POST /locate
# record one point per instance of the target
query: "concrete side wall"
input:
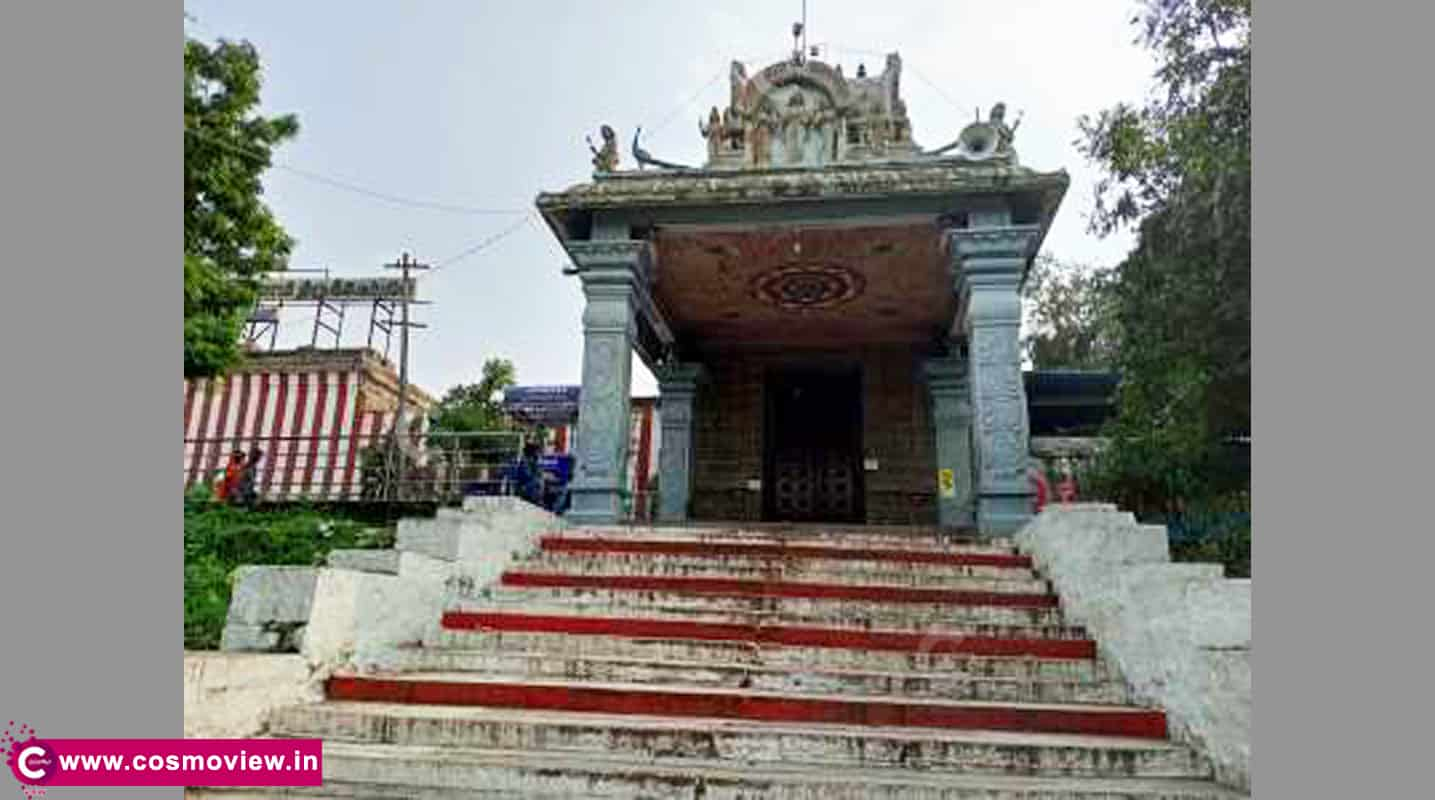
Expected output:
(268, 608)
(358, 618)
(1180, 634)
(227, 695)
(897, 432)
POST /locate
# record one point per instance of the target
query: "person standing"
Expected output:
(247, 489)
(230, 480)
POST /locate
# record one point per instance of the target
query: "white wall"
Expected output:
(1180, 634)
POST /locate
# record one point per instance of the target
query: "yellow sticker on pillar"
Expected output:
(947, 482)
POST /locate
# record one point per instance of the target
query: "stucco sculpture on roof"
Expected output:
(806, 113)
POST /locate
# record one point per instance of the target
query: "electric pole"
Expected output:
(405, 265)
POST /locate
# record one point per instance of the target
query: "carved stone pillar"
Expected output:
(993, 258)
(677, 385)
(610, 271)
(952, 423)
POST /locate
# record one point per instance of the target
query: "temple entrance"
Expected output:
(812, 454)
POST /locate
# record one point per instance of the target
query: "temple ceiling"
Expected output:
(804, 285)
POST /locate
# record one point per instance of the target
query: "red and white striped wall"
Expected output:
(311, 425)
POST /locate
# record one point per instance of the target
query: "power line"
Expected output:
(484, 244)
(679, 109)
(672, 115)
(338, 184)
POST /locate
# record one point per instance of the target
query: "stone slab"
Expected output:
(228, 695)
(486, 528)
(925, 684)
(462, 648)
(756, 744)
(384, 562)
(268, 609)
(265, 594)
(359, 617)
(354, 771)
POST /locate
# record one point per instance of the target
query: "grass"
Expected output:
(219, 538)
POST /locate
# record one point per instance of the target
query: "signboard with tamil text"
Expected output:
(291, 289)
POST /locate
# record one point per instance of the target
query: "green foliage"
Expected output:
(218, 538)
(215, 306)
(1231, 549)
(1072, 315)
(230, 235)
(1187, 150)
(476, 406)
(1179, 168)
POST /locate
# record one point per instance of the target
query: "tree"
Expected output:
(476, 407)
(230, 236)
(1178, 168)
(1072, 316)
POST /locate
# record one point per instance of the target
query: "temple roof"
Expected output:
(803, 112)
(935, 185)
(799, 131)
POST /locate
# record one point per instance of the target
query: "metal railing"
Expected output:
(437, 467)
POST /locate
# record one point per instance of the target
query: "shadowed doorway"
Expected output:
(812, 450)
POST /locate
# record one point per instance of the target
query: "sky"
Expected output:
(458, 108)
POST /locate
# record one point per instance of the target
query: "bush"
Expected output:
(1231, 548)
(219, 538)
(1215, 530)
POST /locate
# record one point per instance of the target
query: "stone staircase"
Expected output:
(704, 663)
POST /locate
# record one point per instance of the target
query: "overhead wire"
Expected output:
(483, 244)
(350, 187)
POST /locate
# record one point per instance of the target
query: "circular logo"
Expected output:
(34, 762)
(805, 287)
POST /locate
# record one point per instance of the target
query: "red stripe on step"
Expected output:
(791, 636)
(562, 544)
(761, 588)
(1133, 722)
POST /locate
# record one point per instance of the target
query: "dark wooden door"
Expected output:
(814, 442)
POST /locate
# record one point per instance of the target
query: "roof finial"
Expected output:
(799, 37)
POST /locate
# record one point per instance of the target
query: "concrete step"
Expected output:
(939, 685)
(863, 536)
(618, 602)
(469, 616)
(368, 772)
(1058, 643)
(825, 532)
(687, 700)
(771, 654)
(991, 579)
(565, 735)
(1031, 595)
(739, 548)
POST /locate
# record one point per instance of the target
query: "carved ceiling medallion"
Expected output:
(808, 287)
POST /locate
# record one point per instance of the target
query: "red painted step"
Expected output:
(1132, 722)
(776, 550)
(791, 636)
(775, 588)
